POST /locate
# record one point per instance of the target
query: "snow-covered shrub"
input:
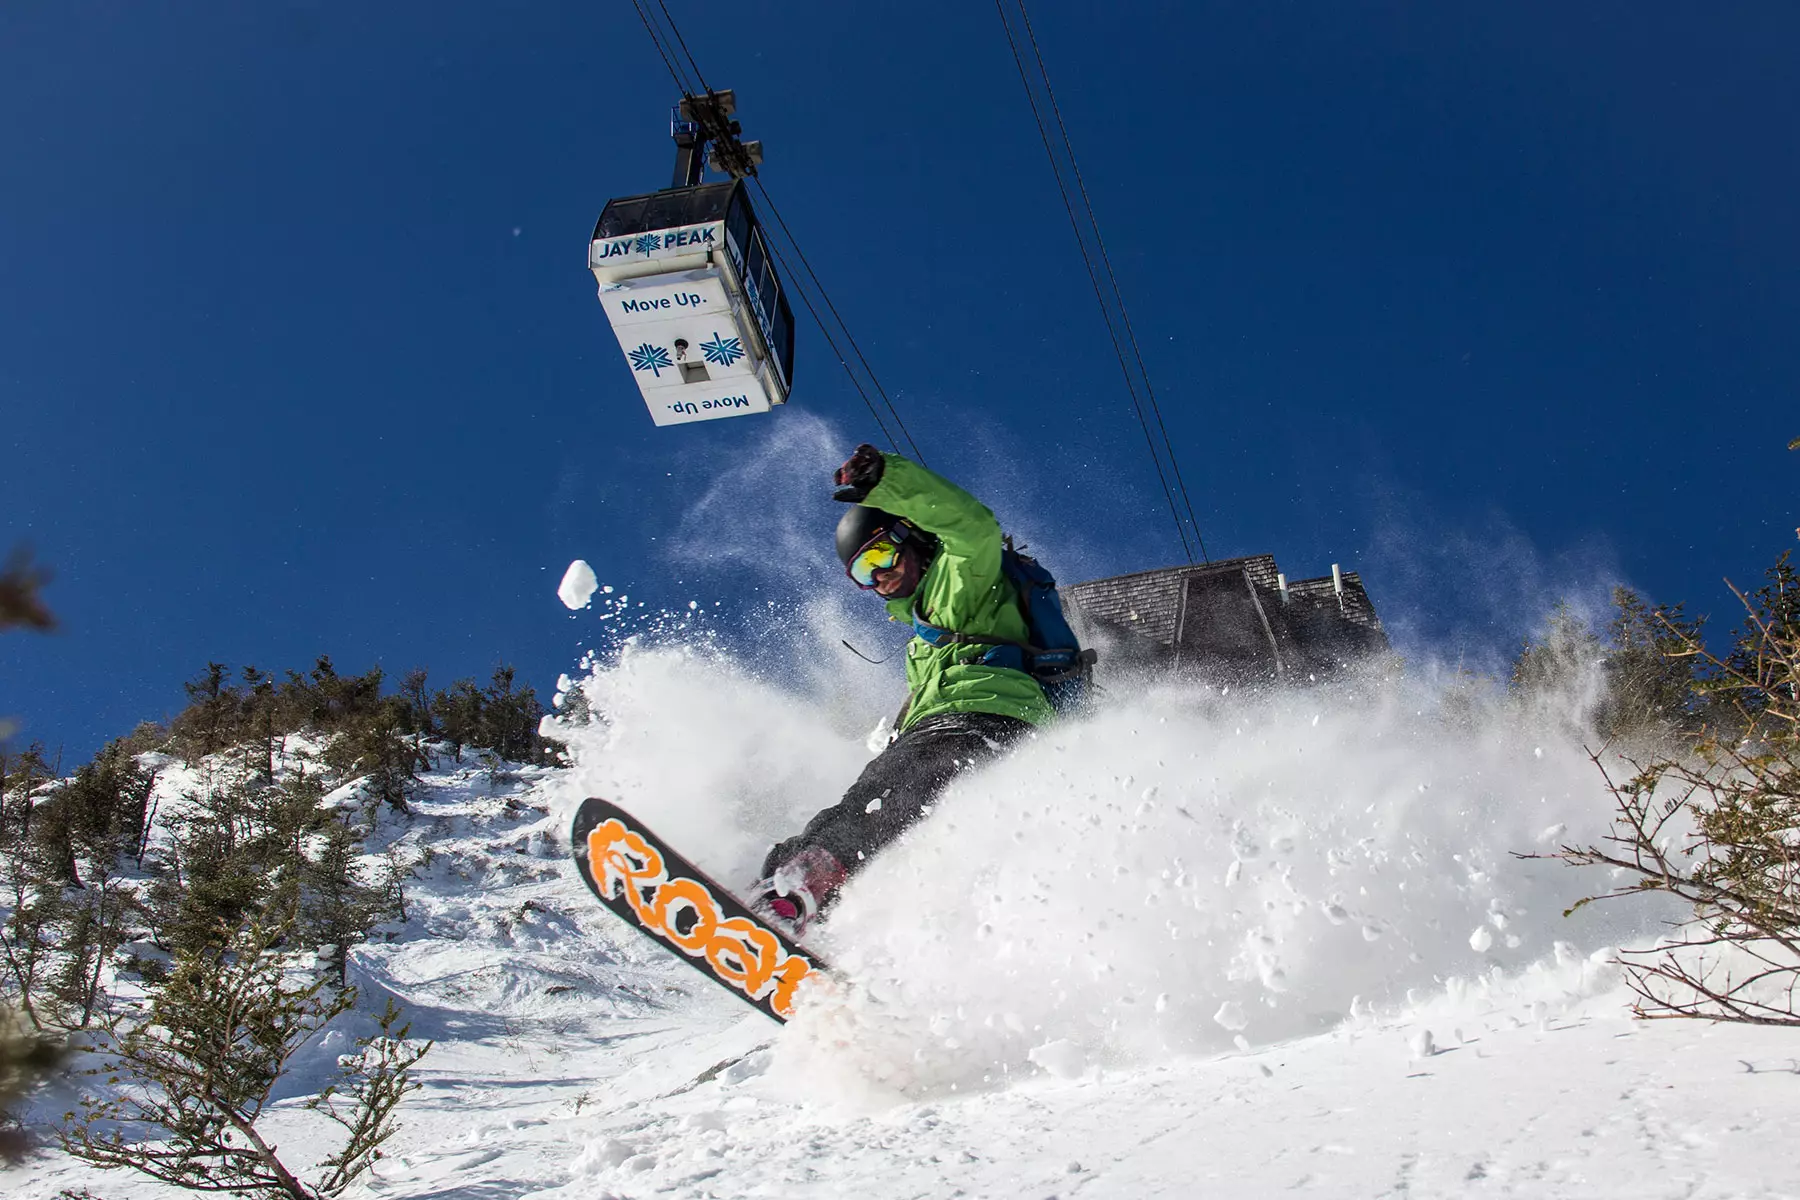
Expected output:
(1718, 825)
(185, 1081)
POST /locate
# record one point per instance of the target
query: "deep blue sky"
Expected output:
(298, 353)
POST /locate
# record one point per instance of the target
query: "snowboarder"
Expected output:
(934, 554)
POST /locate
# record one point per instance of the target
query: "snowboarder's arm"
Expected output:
(962, 524)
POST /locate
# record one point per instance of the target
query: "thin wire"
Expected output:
(775, 212)
(1094, 280)
(1124, 314)
(684, 47)
(775, 253)
(656, 39)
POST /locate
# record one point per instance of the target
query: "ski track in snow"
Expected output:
(1320, 973)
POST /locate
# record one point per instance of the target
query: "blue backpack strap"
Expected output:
(1060, 666)
(1002, 654)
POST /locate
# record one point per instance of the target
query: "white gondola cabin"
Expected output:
(687, 282)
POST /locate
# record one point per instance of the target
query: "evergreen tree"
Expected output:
(400, 865)
(214, 875)
(193, 1076)
(260, 710)
(1650, 671)
(94, 817)
(21, 775)
(340, 699)
(325, 701)
(509, 719)
(286, 814)
(211, 721)
(417, 698)
(95, 924)
(575, 709)
(70, 906)
(28, 943)
(459, 715)
(1754, 675)
(338, 908)
(378, 747)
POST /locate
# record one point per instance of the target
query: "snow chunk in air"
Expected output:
(577, 586)
(1061, 1058)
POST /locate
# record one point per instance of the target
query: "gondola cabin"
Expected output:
(687, 282)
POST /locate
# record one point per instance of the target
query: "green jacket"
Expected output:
(964, 591)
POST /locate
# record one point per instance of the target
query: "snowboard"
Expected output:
(651, 886)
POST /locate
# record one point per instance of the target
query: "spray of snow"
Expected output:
(1178, 873)
(1184, 872)
(716, 760)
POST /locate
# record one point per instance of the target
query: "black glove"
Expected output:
(860, 473)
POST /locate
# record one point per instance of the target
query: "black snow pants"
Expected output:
(899, 784)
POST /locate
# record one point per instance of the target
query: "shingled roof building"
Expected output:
(1237, 620)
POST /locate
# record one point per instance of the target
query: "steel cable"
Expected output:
(824, 295)
(1106, 260)
(676, 29)
(775, 252)
(1094, 280)
(656, 39)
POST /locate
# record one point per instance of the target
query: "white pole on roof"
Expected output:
(1337, 584)
(1281, 582)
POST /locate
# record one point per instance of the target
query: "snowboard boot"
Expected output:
(799, 889)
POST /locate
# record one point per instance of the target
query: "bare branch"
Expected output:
(1718, 826)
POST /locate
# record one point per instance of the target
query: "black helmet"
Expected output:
(858, 525)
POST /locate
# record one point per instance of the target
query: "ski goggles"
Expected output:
(879, 553)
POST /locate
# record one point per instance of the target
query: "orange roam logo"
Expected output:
(685, 914)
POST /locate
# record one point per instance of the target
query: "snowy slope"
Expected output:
(1197, 946)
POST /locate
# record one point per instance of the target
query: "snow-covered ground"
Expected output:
(1197, 946)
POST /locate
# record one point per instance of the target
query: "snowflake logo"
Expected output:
(722, 350)
(648, 244)
(653, 359)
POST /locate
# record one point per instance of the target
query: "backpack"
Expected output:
(1053, 655)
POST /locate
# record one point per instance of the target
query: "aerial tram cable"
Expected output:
(763, 190)
(731, 156)
(1149, 388)
(1094, 280)
(656, 39)
(836, 353)
(676, 29)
